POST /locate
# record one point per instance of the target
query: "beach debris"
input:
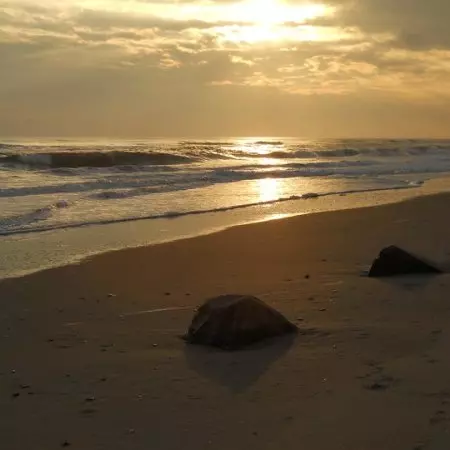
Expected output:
(394, 261)
(377, 387)
(61, 204)
(439, 416)
(309, 195)
(232, 322)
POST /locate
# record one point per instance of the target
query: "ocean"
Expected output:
(60, 184)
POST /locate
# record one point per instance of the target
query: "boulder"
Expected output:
(394, 261)
(232, 322)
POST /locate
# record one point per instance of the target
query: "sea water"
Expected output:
(176, 186)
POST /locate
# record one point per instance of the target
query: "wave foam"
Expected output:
(22, 223)
(38, 215)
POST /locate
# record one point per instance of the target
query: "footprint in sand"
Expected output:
(439, 417)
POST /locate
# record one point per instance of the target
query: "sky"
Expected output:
(144, 68)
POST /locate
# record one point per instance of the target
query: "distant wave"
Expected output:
(350, 153)
(341, 152)
(227, 143)
(187, 152)
(205, 143)
(276, 143)
(141, 180)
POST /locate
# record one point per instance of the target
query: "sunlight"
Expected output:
(271, 33)
(272, 21)
(260, 12)
(271, 12)
(268, 189)
(247, 21)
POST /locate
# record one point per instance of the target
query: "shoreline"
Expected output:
(28, 253)
(91, 353)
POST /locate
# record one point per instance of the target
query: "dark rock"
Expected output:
(232, 322)
(395, 261)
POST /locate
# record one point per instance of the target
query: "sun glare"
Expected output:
(268, 189)
(272, 12)
(272, 21)
(247, 21)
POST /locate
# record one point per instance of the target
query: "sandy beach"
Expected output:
(91, 355)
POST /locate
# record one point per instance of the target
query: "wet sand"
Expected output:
(91, 356)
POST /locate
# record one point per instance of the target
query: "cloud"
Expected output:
(414, 24)
(71, 63)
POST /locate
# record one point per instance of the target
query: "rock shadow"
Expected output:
(237, 370)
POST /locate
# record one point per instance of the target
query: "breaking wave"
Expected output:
(73, 159)
(188, 152)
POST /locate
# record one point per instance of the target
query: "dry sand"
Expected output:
(90, 355)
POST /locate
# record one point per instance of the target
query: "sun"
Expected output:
(238, 21)
(258, 21)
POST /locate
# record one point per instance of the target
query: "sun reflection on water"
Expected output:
(269, 189)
